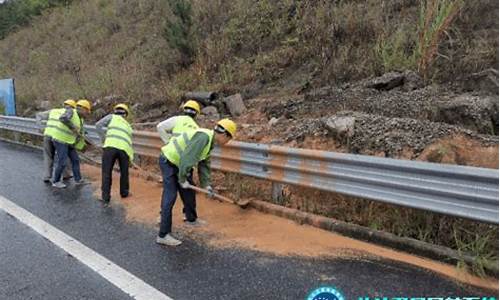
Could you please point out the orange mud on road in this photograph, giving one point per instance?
(229, 226)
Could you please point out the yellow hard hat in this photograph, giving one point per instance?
(123, 106)
(70, 102)
(193, 105)
(84, 103)
(228, 125)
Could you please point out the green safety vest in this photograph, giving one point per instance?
(119, 135)
(57, 130)
(173, 150)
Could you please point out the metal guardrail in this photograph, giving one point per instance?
(460, 191)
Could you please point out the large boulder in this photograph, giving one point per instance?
(235, 105)
(477, 113)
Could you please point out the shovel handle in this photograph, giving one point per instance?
(205, 191)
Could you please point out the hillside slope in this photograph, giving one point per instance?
(149, 51)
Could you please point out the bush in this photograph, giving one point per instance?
(17, 13)
(179, 31)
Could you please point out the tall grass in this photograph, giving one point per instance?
(435, 19)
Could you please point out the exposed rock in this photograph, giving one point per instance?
(476, 113)
(211, 111)
(273, 121)
(205, 98)
(412, 81)
(235, 105)
(340, 126)
(386, 82)
(419, 103)
(486, 81)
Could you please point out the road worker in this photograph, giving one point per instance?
(176, 125)
(116, 134)
(184, 152)
(67, 138)
(48, 147)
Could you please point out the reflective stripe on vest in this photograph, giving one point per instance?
(119, 135)
(57, 130)
(174, 149)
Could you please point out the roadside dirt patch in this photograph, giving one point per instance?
(460, 150)
(229, 226)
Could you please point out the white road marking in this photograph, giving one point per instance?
(113, 273)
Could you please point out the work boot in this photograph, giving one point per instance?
(46, 179)
(196, 223)
(168, 240)
(59, 185)
(67, 177)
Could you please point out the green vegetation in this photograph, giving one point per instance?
(435, 19)
(20, 12)
(179, 31)
(152, 51)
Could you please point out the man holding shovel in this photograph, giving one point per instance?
(178, 158)
(48, 148)
(67, 138)
(116, 132)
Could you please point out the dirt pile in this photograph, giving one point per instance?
(393, 115)
(392, 136)
(395, 96)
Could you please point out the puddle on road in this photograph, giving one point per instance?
(229, 226)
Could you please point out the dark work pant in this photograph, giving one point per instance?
(170, 187)
(63, 151)
(48, 159)
(109, 156)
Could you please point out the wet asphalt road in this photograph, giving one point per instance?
(33, 268)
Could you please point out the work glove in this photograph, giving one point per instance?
(211, 192)
(184, 185)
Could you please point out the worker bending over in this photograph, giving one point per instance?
(174, 126)
(177, 160)
(48, 146)
(116, 132)
(67, 138)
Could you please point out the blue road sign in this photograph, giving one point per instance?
(7, 97)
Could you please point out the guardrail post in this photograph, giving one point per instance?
(17, 136)
(277, 193)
